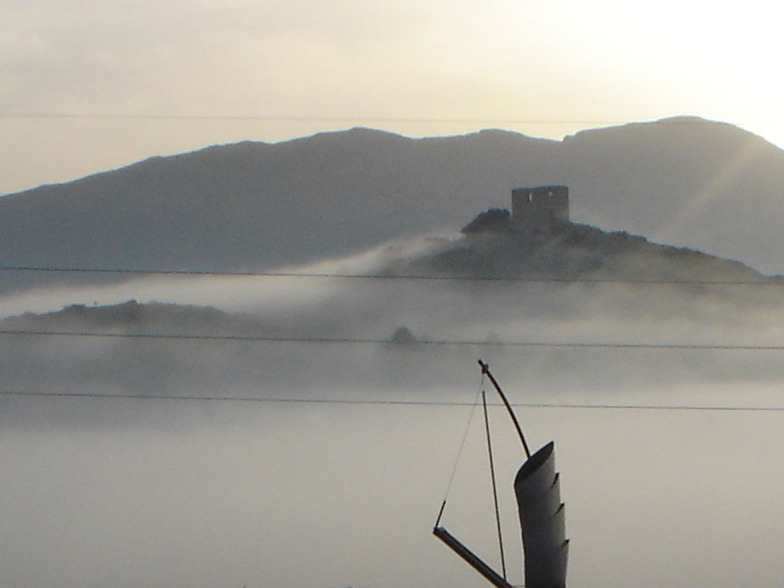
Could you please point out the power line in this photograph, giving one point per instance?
(390, 403)
(377, 341)
(314, 118)
(390, 277)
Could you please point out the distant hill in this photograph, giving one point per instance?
(254, 206)
(645, 279)
(576, 252)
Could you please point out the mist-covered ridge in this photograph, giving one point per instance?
(128, 317)
(548, 308)
(492, 247)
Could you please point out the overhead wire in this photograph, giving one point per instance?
(768, 281)
(389, 402)
(377, 341)
(322, 118)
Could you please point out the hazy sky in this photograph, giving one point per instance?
(286, 69)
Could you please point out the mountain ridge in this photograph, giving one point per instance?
(254, 206)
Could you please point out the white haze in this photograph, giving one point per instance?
(229, 293)
(131, 492)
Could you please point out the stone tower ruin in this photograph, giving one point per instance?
(540, 209)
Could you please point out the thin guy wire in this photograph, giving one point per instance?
(459, 454)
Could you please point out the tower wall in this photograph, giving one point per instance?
(540, 208)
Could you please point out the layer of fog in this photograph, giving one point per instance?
(319, 496)
(146, 492)
(311, 334)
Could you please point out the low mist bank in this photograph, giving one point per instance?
(274, 496)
